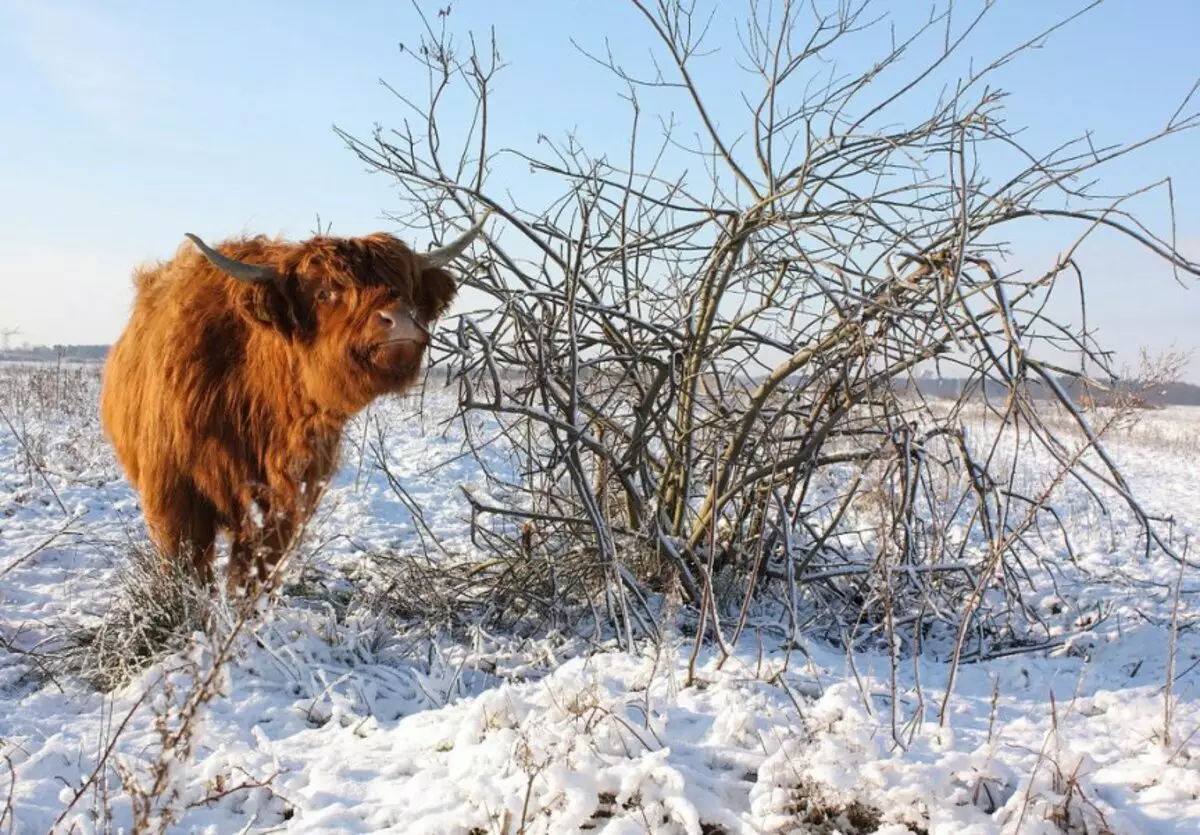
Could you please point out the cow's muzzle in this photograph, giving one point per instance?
(399, 324)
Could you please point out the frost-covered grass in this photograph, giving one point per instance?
(341, 711)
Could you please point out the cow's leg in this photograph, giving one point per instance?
(183, 524)
(241, 580)
(256, 552)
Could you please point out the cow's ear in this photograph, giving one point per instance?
(271, 305)
(435, 291)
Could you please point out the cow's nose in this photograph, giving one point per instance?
(400, 325)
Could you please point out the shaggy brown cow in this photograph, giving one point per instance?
(226, 395)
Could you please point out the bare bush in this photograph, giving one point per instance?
(709, 377)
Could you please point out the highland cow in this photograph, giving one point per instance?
(226, 395)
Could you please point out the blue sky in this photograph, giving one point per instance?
(131, 122)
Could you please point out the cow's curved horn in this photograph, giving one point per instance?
(249, 273)
(444, 255)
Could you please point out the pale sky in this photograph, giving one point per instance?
(131, 122)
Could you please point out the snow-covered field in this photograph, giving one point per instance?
(329, 720)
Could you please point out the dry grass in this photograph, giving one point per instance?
(156, 610)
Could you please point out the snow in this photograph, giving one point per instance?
(338, 721)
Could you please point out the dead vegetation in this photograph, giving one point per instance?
(157, 609)
(699, 348)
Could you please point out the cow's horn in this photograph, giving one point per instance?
(250, 273)
(444, 255)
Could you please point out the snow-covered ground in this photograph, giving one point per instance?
(334, 721)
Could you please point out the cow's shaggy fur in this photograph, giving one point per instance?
(226, 401)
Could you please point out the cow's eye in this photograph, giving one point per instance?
(324, 295)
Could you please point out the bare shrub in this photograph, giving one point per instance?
(704, 349)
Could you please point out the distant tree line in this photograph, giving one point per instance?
(1156, 396)
(52, 353)
(1168, 394)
